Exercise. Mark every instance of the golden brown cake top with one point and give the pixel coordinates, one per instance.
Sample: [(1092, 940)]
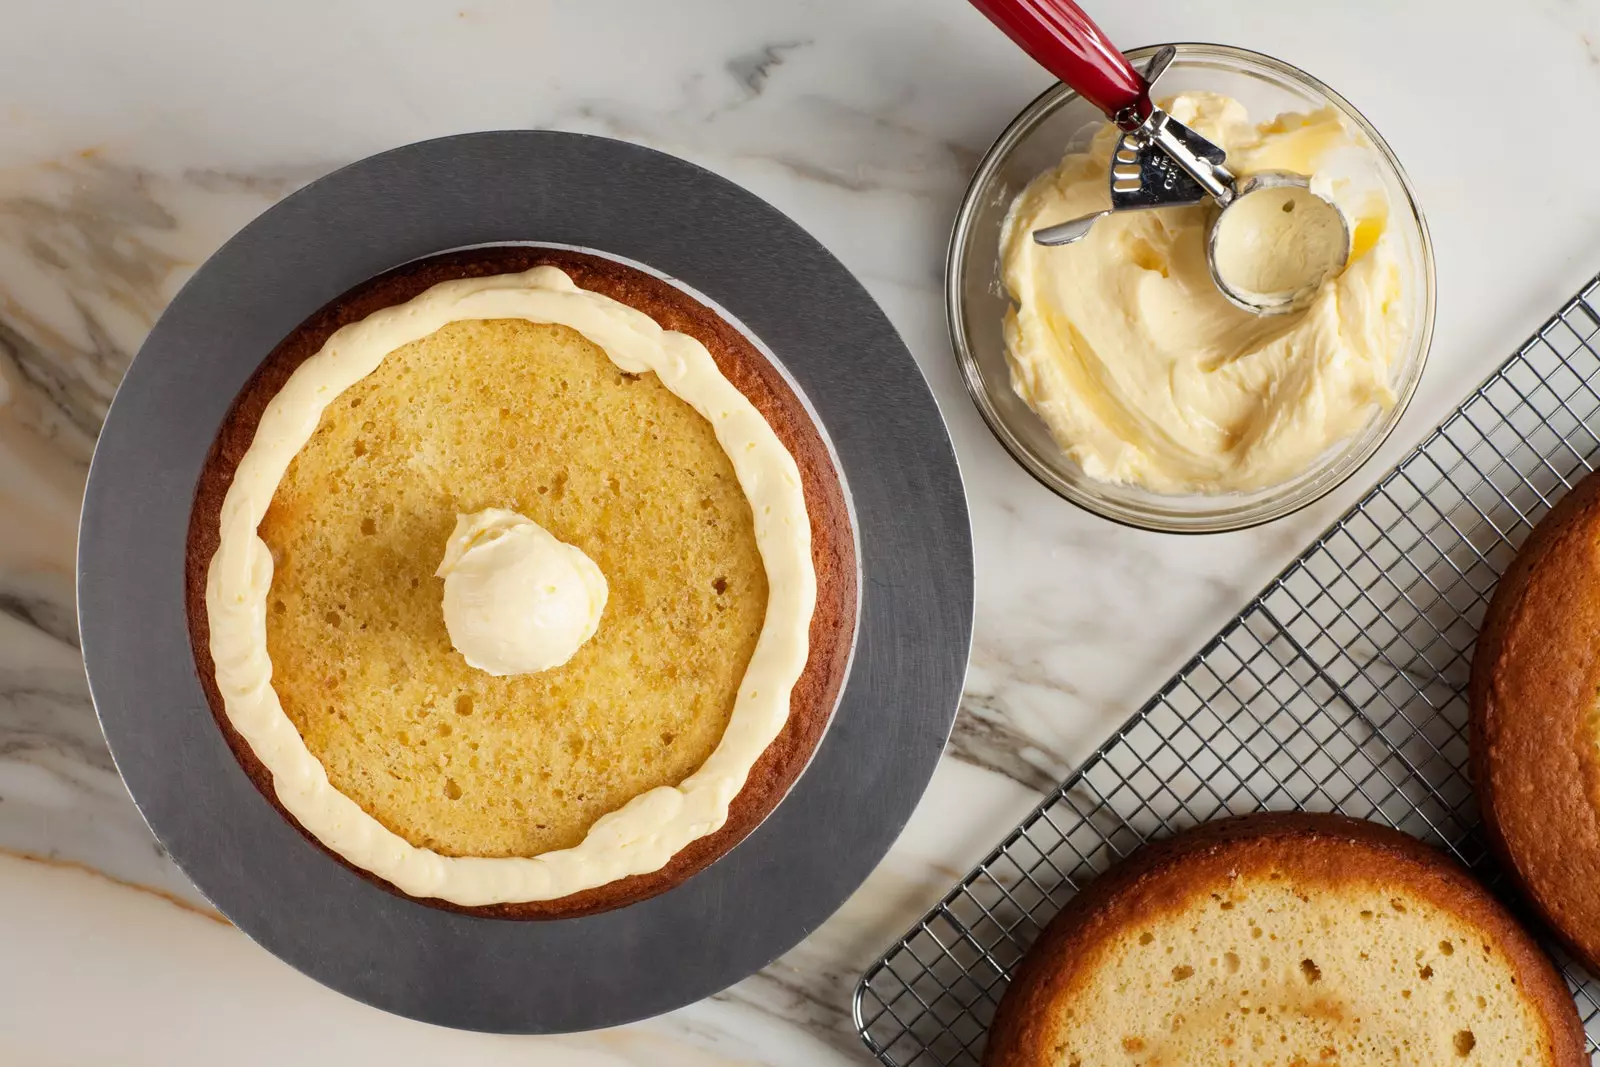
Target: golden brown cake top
[(1535, 735), (1280, 940)]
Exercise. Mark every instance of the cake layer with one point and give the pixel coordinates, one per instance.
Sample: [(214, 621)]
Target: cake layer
[(1285, 940)]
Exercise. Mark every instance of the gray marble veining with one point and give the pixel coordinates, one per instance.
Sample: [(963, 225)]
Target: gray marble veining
[(134, 142)]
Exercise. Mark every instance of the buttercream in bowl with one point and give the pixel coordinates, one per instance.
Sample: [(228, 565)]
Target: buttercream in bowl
[(1145, 373), (1213, 422)]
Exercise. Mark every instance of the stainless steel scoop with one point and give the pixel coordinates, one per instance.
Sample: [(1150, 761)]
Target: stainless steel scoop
[(1160, 162)]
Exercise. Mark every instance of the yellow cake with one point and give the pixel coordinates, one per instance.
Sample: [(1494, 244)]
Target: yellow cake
[(1285, 941), (363, 682), (537, 419)]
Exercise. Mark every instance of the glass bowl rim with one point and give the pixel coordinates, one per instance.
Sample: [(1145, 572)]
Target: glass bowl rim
[(1340, 466)]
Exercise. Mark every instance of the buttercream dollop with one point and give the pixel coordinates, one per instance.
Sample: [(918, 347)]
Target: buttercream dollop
[(517, 600)]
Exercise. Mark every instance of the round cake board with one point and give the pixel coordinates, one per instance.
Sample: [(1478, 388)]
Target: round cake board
[(727, 247)]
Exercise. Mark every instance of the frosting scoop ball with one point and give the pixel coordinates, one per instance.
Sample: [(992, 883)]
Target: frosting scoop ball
[(516, 599), (1277, 244)]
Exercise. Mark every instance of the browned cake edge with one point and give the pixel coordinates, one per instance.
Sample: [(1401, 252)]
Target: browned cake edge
[(1535, 671), (1170, 876), (833, 548)]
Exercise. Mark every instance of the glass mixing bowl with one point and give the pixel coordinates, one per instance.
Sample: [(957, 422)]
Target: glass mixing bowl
[(976, 300)]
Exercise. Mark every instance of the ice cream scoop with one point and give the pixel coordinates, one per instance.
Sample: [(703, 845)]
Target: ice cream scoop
[(1162, 163)]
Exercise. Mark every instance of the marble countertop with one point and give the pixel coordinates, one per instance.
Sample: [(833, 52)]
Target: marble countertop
[(135, 139)]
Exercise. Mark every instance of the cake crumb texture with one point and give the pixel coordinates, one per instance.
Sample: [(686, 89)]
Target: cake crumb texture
[(1297, 950), (537, 419)]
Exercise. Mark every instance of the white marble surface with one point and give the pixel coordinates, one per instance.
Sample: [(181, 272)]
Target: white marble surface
[(135, 138)]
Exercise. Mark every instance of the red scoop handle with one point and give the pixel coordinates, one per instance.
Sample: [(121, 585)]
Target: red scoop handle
[(1067, 43)]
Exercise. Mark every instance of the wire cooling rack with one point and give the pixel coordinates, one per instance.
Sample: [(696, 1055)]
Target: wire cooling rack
[(1342, 687)]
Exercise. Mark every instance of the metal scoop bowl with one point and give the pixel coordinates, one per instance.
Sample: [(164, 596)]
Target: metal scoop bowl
[(1160, 162)]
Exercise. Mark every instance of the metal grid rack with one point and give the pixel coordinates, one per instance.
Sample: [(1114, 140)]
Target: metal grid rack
[(1342, 687)]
